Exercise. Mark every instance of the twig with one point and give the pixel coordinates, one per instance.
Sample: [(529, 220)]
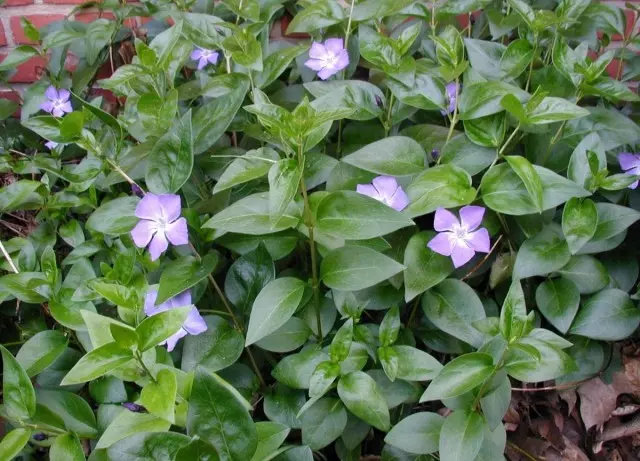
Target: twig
[(524, 453), (8, 258), (477, 266)]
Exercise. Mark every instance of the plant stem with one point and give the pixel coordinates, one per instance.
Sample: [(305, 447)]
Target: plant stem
[(521, 451), (144, 367), (116, 167), (347, 32), (533, 58), (389, 124), (8, 258), (504, 146), (310, 223)]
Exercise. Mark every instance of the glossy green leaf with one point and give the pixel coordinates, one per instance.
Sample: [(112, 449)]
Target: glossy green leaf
[(530, 178), (184, 273), (608, 316), (215, 349), (579, 222), (41, 350), (393, 156), (360, 394), (418, 433), (459, 376), (13, 442), (159, 327), (542, 254), (323, 423), (66, 448), (19, 396), (96, 363), (558, 300), (461, 436)]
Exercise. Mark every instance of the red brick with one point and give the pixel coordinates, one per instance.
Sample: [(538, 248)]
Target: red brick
[(284, 24), (628, 28), (29, 71), (11, 96), (65, 2), (17, 2), (612, 68), (38, 20), (3, 38), (90, 17)]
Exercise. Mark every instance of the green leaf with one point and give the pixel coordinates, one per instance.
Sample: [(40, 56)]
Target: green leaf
[(289, 337), (553, 109), (252, 165), (453, 307), (393, 156), (275, 304), (354, 216), (482, 99), (535, 361), (613, 219), (215, 349), (71, 126), (159, 327), (389, 327), (608, 316), (244, 49), (115, 293), (542, 254), (323, 423), (516, 57), (316, 15), (284, 182), (41, 351), (295, 370), (558, 300), (197, 449), (250, 215), (276, 63), (424, 267), (461, 436), (321, 380), (513, 315), (341, 343), (73, 410), (417, 434), (496, 401), (17, 56), (445, 186), (217, 416), (415, 365), (529, 176), (96, 363), (183, 273), (19, 395), (150, 446), (579, 169), (115, 217), (579, 222), (270, 437), (283, 404), (354, 268), (358, 95), (588, 274), (459, 376), (66, 448), (13, 443), (369, 9), (128, 423), (464, 152), (171, 159), (360, 394), (503, 191), (20, 194), (159, 397)]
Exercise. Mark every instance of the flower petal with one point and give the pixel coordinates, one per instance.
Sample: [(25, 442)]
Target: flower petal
[(444, 220), (171, 206), (64, 95), (180, 300), (213, 58), (399, 201), (628, 161), (149, 207), (634, 185), (202, 63), (66, 107), (441, 244), (173, 339), (51, 92), (317, 51), (314, 64), (57, 112), (471, 217), (461, 255), (194, 324), (386, 185), (368, 190), (479, 240), (51, 145), (150, 307), (196, 54), (334, 45), (326, 73), (47, 106), (177, 232), (158, 245), (143, 232), (343, 60)]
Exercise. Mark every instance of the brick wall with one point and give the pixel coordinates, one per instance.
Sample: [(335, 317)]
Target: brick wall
[(43, 12)]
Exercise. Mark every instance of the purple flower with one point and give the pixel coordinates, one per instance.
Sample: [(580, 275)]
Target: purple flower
[(385, 189), (160, 223), (134, 407), (135, 190), (630, 163), (329, 58), (51, 145), (40, 437), (452, 91), (204, 57), (460, 239), (58, 102), (193, 325)]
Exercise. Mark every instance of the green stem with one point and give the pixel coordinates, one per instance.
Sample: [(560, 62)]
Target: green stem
[(484, 386), (138, 356), (533, 58), (389, 123), (347, 32), (310, 223), (509, 139), (8, 258)]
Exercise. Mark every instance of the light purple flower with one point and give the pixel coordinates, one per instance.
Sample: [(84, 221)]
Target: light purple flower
[(329, 58), (58, 102), (460, 239), (385, 189), (630, 163), (193, 325), (51, 145), (452, 91), (160, 223), (204, 57)]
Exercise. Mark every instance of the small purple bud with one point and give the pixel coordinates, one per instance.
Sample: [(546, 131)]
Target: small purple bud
[(40, 437), (379, 101), (134, 407), (136, 190), (435, 154)]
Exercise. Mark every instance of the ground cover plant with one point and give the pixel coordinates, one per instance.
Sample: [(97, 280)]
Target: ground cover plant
[(362, 239)]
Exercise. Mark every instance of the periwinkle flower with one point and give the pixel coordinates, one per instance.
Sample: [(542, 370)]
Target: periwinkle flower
[(385, 189), (58, 102), (160, 223), (51, 145), (328, 58), (193, 325), (630, 164), (460, 239), (204, 57), (451, 97)]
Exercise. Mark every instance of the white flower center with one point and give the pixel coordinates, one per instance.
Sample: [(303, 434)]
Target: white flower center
[(161, 224), (58, 103), (460, 234), (206, 53), (330, 59)]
